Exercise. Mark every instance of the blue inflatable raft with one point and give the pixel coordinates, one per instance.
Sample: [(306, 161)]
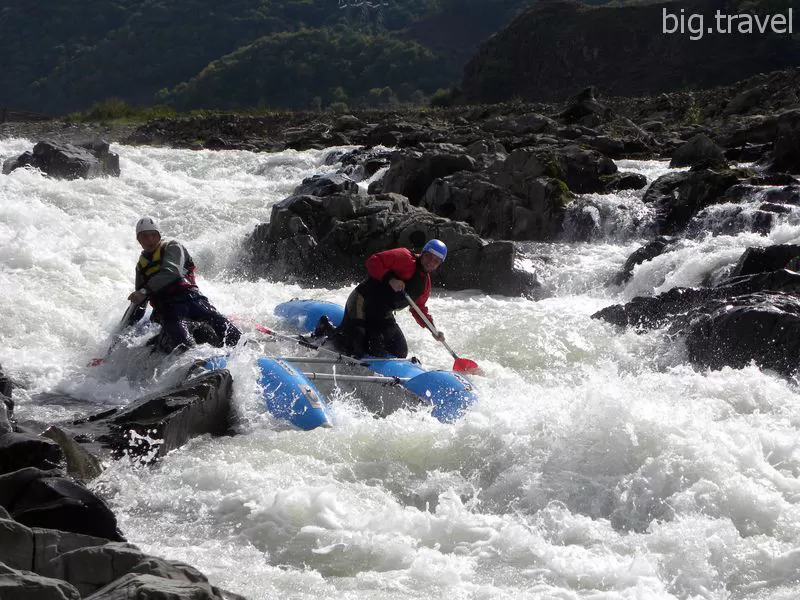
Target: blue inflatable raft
[(288, 394), (448, 394)]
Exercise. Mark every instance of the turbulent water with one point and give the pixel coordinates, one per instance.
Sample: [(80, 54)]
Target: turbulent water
[(597, 463)]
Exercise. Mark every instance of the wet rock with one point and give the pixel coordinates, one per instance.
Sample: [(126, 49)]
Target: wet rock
[(618, 182), (389, 132), (6, 388), (20, 584), (645, 312), (764, 260), (68, 161), (348, 123), (748, 152), (361, 163), (641, 255), (678, 197), (536, 214), (326, 185), (325, 241), (763, 328), (81, 465), (699, 150), (46, 499), (585, 109), (412, 172), (157, 588), (153, 425), (521, 124), (20, 450), (787, 195), (581, 169)]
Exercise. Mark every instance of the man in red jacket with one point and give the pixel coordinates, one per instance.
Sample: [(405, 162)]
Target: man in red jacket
[(368, 326)]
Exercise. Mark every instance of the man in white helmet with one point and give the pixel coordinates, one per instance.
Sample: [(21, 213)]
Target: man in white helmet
[(165, 278)]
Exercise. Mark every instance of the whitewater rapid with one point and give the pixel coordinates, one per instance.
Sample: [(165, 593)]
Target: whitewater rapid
[(597, 463)]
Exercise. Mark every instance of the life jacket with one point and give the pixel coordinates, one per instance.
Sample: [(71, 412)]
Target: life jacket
[(148, 267)]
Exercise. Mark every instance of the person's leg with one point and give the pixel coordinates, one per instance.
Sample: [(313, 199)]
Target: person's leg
[(200, 309), (350, 336), (375, 344), (172, 317), (394, 342), (355, 339)]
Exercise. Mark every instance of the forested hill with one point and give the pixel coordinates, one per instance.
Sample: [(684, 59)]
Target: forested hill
[(556, 47), (67, 55)]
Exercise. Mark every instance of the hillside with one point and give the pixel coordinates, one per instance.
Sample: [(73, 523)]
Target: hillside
[(70, 55), (556, 47), (288, 70)]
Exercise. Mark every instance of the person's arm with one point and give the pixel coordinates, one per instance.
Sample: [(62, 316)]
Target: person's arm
[(391, 264), (421, 303), (173, 257), (138, 296)]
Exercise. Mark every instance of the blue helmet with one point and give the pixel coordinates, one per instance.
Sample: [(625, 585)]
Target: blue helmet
[(437, 248)]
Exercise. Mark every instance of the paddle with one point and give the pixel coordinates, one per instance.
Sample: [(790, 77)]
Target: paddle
[(115, 338), (463, 365), (310, 345), (297, 340)]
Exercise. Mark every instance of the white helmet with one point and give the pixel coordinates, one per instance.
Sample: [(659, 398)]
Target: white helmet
[(147, 224)]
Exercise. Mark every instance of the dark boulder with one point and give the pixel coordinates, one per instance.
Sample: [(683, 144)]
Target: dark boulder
[(584, 109), (646, 312), (677, 197), (24, 585), (151, 426), (617, 182), (647, 252), (580, 168), (495, 212), (763, 328), (763, 260), (389, 132), (411, 172), (699, 150), (325, 241), (20, 450), (325, 185), (46, 499), (68, 161)]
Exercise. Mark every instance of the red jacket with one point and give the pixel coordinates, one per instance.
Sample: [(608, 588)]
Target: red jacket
[(400, 263)]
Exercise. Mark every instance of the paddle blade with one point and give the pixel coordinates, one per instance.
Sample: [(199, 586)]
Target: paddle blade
[(96, 362), (465, 365)]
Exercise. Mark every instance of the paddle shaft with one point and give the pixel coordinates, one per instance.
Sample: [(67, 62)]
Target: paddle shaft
[(362, 378), (116, 336), (125, 321), (428, 323), (335, 360), (306, 344)]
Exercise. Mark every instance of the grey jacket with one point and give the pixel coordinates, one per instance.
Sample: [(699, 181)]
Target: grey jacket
[(167, 270)]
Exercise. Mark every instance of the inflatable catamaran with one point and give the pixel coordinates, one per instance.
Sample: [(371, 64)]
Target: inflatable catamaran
[(296, 388), (448, 394)]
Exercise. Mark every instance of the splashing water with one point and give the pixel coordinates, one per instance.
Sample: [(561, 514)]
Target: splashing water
[(597, 463)]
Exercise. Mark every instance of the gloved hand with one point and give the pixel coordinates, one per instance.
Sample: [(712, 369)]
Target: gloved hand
[(137, 297)]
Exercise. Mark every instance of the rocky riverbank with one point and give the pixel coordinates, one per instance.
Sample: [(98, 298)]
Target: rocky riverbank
[(58, 539)]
